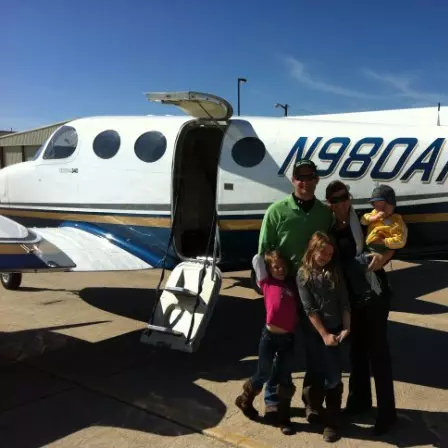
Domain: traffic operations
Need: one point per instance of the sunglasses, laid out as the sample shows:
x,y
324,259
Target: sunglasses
x,y
305,177
340,198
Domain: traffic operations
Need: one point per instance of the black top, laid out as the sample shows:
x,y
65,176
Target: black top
x,y
306,206
345,243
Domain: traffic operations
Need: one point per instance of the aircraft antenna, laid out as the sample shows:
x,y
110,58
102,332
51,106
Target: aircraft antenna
x,y
438,115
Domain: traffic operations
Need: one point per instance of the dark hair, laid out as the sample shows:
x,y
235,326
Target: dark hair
x,y
335,186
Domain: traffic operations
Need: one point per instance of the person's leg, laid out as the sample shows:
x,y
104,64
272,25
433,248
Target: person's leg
x,y
253,386
387,292
313,381
286,388
271,398
333,393
382,367
360,394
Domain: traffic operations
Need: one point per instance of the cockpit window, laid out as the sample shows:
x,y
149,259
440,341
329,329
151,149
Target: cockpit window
x,y
150,146
62,144
38,152
106,144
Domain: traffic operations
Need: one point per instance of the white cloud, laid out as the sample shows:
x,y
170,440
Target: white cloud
x,y
403,86
298,71
400,84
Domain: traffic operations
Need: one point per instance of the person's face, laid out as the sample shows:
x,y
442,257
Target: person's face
x,y
278,269
305,181
340,204
383,206
379,205
323,256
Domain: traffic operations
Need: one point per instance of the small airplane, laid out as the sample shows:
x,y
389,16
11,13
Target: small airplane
x,y
189,192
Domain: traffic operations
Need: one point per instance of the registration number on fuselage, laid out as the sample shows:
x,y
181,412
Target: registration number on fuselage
x,y
373,158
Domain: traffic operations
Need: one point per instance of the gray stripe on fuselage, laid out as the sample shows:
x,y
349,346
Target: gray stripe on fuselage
x,y
152,207
238,207
221,207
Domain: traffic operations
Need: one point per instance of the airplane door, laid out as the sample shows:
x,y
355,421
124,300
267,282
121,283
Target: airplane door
x,y
185,307
195,172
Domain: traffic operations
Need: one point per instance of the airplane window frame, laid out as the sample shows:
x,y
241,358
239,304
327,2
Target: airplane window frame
x,y
143,155
97,141
239,155
49,153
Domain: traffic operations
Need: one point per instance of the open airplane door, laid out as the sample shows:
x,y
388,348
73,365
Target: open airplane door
x,y
183,310
196,104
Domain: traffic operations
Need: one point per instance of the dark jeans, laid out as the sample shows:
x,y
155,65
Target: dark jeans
x,y
275,359
326,370
311,360
370,349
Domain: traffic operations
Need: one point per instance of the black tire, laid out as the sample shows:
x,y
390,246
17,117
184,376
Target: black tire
x,y
11,280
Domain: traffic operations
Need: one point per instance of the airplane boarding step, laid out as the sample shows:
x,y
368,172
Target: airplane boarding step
x,y
185,307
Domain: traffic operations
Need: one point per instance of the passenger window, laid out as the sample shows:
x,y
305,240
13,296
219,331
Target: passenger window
x,y
248,152
62,144
106,144
150,146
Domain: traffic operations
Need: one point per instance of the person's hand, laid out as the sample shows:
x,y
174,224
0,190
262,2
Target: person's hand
x,y
330,339
376,217
377,240
378,261
342,335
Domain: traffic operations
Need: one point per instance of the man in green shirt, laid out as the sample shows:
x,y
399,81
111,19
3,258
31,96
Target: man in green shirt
x,y
287,226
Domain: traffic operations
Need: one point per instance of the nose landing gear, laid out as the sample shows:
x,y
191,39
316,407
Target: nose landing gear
x,y
11,280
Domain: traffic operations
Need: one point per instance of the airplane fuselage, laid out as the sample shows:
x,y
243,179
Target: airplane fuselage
x,y
134,177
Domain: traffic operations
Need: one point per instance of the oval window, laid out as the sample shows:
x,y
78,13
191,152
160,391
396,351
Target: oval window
x,y
248,152
106,144
62,144
150,146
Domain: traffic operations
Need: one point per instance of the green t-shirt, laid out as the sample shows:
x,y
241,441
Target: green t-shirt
x,y
288,228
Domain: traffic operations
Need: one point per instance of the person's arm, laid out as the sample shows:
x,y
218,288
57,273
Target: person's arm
x,y
259,266
365,218
345,305
343,294
399,235
311,310
328,338
371,217
268,232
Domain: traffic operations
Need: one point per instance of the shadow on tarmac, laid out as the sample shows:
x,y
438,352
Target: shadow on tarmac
x,y
112,382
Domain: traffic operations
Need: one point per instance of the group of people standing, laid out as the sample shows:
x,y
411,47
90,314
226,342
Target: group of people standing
x,y
320,274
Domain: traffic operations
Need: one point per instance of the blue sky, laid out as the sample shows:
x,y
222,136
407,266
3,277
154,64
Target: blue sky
x,y
70,59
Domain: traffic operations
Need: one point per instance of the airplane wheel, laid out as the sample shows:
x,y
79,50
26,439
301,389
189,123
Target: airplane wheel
x,y
11,280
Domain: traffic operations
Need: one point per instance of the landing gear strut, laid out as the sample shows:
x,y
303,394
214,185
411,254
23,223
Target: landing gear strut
x,y
11,280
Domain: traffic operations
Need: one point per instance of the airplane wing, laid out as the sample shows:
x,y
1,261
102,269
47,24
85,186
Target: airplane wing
x,y
25,249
